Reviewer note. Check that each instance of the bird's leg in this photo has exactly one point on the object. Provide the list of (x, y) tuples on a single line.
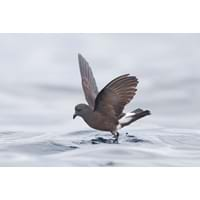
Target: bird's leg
[(116, 136)]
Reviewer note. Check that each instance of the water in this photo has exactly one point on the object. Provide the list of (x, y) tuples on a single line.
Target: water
[(40, 85)]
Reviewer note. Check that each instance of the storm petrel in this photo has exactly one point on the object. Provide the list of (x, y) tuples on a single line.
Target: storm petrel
[(105, 108)]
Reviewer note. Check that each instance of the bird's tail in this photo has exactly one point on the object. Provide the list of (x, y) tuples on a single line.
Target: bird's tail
[(128, 118)]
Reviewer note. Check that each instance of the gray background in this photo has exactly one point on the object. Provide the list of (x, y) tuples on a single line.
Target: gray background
[(40, 85)]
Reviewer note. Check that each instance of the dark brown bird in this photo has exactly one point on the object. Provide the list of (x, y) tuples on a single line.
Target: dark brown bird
[(105, 108)]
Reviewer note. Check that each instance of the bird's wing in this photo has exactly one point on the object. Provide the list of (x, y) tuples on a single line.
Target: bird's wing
[(115, 95), (88, 81)]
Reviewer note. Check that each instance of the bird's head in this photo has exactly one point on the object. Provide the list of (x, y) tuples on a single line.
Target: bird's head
[(80, 110)]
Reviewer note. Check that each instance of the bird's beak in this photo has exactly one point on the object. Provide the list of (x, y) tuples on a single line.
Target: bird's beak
[(74, 116)]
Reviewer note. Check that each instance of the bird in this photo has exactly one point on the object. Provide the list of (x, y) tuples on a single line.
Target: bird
[(104, 110)]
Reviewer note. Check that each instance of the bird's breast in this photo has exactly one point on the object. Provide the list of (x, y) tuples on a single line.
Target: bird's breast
[(101, 122)]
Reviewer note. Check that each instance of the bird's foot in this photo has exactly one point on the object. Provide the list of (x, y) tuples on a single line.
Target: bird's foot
[(115, 140)]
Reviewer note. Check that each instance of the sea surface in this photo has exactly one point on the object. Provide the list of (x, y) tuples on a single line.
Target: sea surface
[(40, 85)]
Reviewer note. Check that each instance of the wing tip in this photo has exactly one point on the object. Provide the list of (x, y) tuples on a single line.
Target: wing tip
[(134, 78), (128, 75), (82, 63), (80, 56), (124, 75)]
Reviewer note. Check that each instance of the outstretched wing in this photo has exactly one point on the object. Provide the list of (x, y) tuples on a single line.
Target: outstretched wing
[(115, 95), (88, 82)]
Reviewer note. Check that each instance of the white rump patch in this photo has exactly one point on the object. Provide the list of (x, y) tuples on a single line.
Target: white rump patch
[(119, 126), (126, 118)]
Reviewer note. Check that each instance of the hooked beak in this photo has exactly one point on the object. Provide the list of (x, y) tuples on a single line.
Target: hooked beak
[(74, 116)]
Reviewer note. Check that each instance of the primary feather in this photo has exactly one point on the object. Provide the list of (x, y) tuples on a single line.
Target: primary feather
[(115, 95), (88, 81)]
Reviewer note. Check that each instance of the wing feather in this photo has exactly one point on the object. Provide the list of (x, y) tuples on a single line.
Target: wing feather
[(115, 95), (88, 81)]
